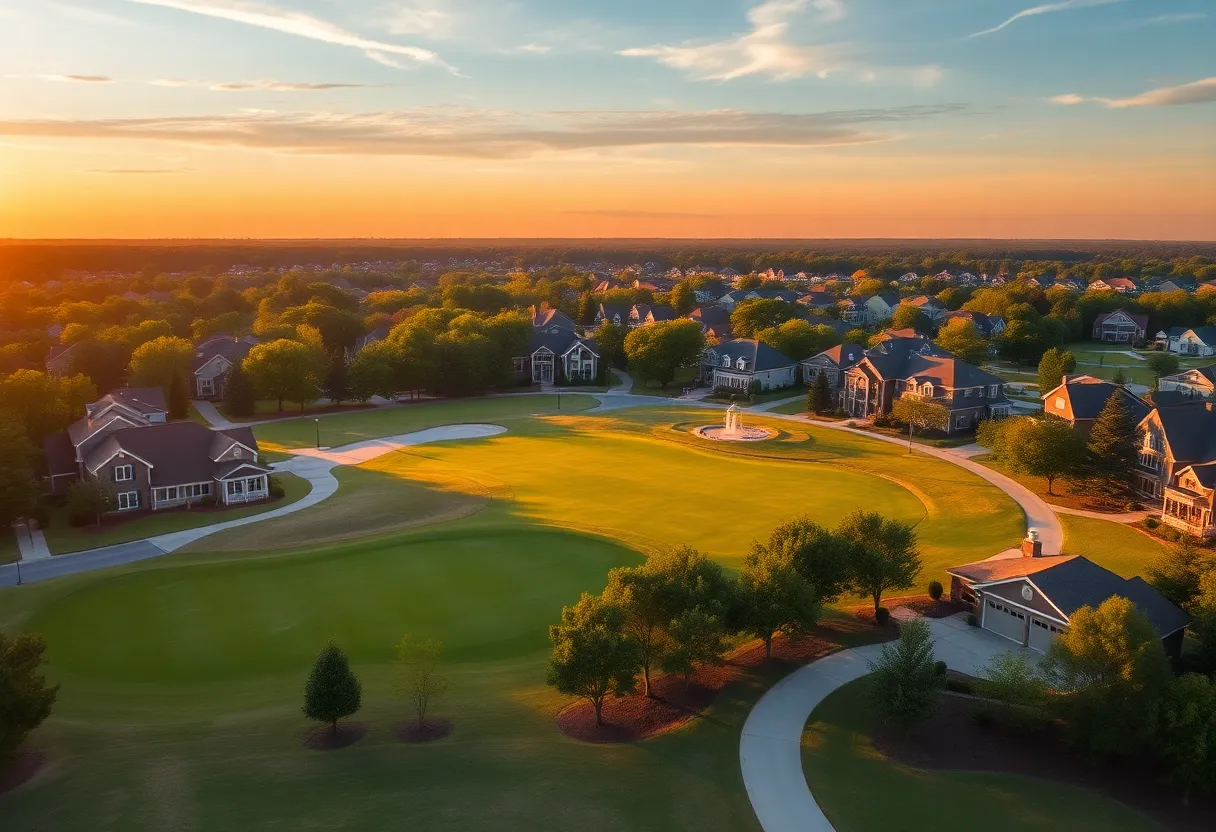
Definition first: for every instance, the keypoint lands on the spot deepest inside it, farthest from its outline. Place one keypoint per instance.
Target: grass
(344, 428)
(269, 409)
(1118, 547)
(790, 408)
(685, 376)
(845, 772)
(182, 677)
(62, 537)
(9, 553)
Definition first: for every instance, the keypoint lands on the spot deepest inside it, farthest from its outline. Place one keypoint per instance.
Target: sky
(1070, 119)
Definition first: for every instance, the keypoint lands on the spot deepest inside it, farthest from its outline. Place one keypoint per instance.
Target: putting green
(487, 595)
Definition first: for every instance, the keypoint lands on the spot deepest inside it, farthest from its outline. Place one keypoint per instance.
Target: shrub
(972, 620)
(935, 590)
(1151, 522)
(1134, 506)
(939, 667)
(959, 686)
(755, 389)
(839, 413)
(276, 488)
(982, 716)
(882, 615)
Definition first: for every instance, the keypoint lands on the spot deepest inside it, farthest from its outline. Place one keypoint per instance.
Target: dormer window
(928, 389)
(726, 361)
(741, 364)
(994, 390)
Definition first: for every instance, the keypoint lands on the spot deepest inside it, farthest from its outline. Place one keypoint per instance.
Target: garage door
(1005, 620)
(1042, 634)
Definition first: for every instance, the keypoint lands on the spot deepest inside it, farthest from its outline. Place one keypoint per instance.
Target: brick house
(1080, 398)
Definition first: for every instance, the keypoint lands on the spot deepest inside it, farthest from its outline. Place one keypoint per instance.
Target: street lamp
(318, 421)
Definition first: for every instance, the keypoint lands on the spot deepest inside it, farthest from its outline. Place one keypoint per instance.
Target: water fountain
(732, 429)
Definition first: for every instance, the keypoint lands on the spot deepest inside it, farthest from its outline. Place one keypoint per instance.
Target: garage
(1042, 633)
(1004, 620)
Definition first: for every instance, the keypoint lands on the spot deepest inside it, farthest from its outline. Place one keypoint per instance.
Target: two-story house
(614, 313)
(917, 368)
(987, 325)
(1195, 383)
(214, 358)
(1079, 400)
(124, 442)
(1121, 327)
(1200, 341)
(1173, 437)
(739, 362)
(932, 308)
(833, 363)
(644, 314)
(556, 353)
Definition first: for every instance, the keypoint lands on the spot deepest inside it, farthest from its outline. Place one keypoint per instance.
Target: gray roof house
(1197, 382)
(213, 358)
(833, 363)
(1200, 341)
(557, 354)
(739, 362)
(1079, 400)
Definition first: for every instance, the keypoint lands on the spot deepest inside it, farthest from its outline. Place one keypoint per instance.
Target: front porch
(1188, 512)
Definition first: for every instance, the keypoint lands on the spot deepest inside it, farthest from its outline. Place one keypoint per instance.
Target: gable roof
(180, 452)
(843, 356)
(710, 315)
(1139, 320)
(231, 350)
(1088, 395)
(1190, 431)
(546, 316)
(759, 355)
(1205, 334)
(142, 400)
(1208, 373)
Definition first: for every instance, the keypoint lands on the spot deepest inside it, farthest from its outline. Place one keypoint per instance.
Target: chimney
(1032, 547)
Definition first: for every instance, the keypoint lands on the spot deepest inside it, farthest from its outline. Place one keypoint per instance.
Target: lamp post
(318, 423)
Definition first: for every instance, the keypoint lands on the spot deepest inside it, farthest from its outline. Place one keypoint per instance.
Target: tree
(752, 316)
(683, 298)
(1178, 571)
(696, 636)
(798, 339)
(239, 394)
(820, 556)
(43, 404)
(179, 397)
(332, 691)
(1186, 732)
(819, 398)
(1162, 364)
(25, 698)
(1047, 448)
(1110, 461)
(421, 680)
(920, 414)
(907, 316)
(775, 598)
(1010, 677)
(89, 500)
(18, 488)
(155, 363)
(904, 686)
(1108, 668)
(656, 351)
(592, 655)
(961, 338)
(284, 369)
(884, 554)
(372, 373)
(610, 338)
(337, 378)
(1053, 366)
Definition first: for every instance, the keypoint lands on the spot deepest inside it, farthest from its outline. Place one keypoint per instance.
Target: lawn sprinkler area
(733, 430)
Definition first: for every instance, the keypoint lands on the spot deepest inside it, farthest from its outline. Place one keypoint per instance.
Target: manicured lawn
(342, 429)
(685, 376)
(62, 537)
(1119, 548)
(790, 409)
(859, 789)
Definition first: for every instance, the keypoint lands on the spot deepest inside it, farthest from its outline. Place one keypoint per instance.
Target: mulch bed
(21, 769)
(922, 604)
(326, 738)
(672, 705)
(952, 741)
(431, 730)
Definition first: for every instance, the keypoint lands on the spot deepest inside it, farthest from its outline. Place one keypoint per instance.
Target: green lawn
(1117, 547)
(860, 790)
(62, 537)
(790, 409)
(342, 429)
(182, 677)
(685, 376)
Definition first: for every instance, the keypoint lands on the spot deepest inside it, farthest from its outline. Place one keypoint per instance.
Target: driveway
(770, 750)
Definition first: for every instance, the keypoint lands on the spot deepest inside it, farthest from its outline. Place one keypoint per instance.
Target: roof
(1208, 372)
(1190, 431)
(1073, 582)
(1088, 395)
(924, 300)
(1140, 320)
(760, 356)
(843, 356)
(180, 452)
(232, 351)
(710, 315)
(144, 400)
(545, 315)
(1205, 473)
(663, 313)
(1206, 334)
(903, 357)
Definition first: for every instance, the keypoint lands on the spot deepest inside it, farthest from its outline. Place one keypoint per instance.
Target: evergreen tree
(905, 686)
(819, 397)
(18, 488)
(238, 391)
(1110, 462)
(179, 397)
(25, 698)
(332, 691)
(337, 379)
(586, 308)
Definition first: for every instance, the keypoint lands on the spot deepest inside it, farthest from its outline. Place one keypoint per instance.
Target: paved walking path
(766, 406)
(1125, 517)
(316, 466)
(624, 385)
(770, 750)
(31, 543)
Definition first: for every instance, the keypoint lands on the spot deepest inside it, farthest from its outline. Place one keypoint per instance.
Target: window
(994, 390)
(726, 361)
(253, 484)
(236, 487)
(128, 500)
(517, 364)
(967, 393)
(124, 473)
(205, 386)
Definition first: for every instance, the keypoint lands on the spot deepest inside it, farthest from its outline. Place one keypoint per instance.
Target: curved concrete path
(316, 466)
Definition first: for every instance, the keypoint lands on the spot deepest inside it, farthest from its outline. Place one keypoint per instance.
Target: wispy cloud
(262, 85)
(81, 14)
(487, 134)
(1166, 19)
(78, 79)
(1046, 8)
(768, 49)
(430, 18)
(299, 24)
(1198, 92)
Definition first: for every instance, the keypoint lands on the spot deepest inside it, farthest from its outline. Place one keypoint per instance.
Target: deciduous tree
(1162, 364)
(821, 557)
(775, 598)
(752, 316)
(332, 690)
(656, 351)
(1186, 732)
(961, 338)
(89, 500)
(421, 679)
(1053, 366)
(592, 654)
(284, 369)
(337, 378)
(1047, 448)
(884, 556)
(798, 339)
(920, 414)
(695, 637)
(155, 363)
(239, 394)
(18, 488)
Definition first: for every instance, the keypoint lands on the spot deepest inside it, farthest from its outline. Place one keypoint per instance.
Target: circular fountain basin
(719, 433)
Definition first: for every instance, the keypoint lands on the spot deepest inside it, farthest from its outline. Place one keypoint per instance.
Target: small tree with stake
(421, 680)
(917, 414)
(332, 691)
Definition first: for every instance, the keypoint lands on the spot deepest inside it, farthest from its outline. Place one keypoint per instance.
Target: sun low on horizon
(1073, 119)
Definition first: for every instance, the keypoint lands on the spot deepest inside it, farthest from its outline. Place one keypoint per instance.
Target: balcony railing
(923, 397)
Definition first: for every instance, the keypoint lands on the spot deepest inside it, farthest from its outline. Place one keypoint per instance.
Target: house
(1121, 327)
(608, 285)
(988, 325)
(714, 317)
(733, 298)
(819, 301)
(616, 313)
(124, 442)
(1196, 383)
(644, 314)
(1200, 341)
(1177, 284)
(1069, 283)
(833, 363)
(1167, 339)
(375, 336)
(1080, 398)
(1030, 599)
(545, 316)
(915, 367)
(739, 362)
(59, 360)
(1122, 285)
(852, 310)
(880, 307)
(557, 355)
(932, 308)
(213, 358)
(910, 277)
(1175, 440)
